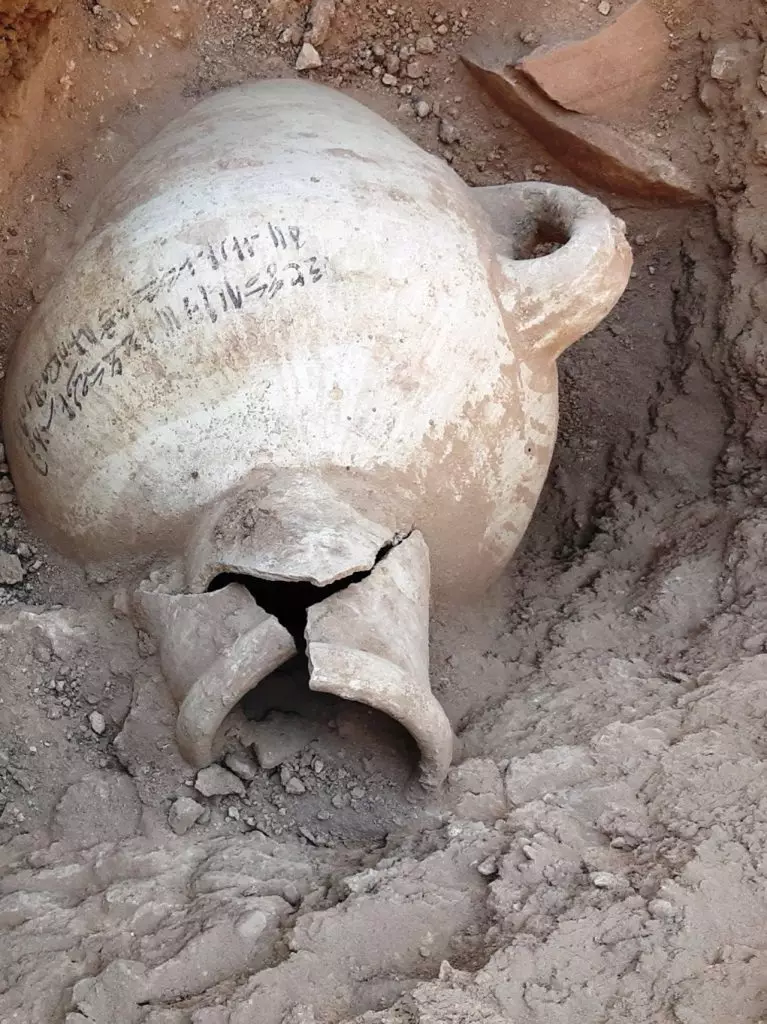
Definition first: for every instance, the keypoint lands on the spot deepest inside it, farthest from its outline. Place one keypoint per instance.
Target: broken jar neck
(288, 567)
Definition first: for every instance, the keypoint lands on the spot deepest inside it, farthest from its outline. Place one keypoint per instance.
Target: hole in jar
(365, 742)
(542, 238)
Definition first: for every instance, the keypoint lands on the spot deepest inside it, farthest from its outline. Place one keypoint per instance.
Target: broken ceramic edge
(619, 64)
(214, 648)
(368, 642)
(380, 684)
(589, 147)
(291, 527)
(215, 694)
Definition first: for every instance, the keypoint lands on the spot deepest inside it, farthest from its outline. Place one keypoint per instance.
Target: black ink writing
(80, 367)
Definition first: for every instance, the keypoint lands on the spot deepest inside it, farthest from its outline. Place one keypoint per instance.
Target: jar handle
(552, 300)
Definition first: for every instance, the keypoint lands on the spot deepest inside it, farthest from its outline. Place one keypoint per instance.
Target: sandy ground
(600, 850)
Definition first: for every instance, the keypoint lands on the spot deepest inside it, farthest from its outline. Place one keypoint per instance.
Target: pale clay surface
(292, 284)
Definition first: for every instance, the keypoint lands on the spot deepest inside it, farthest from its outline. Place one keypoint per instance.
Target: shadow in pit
(347, 732)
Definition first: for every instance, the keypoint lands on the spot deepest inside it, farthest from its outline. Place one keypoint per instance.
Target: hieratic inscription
(239, 273)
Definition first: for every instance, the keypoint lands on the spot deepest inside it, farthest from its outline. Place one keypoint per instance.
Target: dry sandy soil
(599, 853)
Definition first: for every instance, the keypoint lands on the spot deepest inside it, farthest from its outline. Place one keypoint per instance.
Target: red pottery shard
(608, 71)
(596, 152)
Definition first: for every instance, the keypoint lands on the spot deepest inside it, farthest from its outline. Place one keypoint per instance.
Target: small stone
(184, 813)
(97, 722)
(448, 133)
(442, 30)
(233, 813)
(379, 50)
(241, 765)
(308, 58)
(393, 64)
(605, 7)
(217, 781)
(388, 79)
(6, 485)
(286, 36)
(11, 571)
(605, 880)
(318, 766)
(415, 69)
(358, 792)
(622, 843)
(295, 786)
(337, 800)
(726, 62)
(422, 109)
(425, 44)
(488, 867)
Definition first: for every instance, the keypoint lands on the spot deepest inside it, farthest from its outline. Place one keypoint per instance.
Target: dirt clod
(448, 132)
(183, 814)
(11, 570)
(279, 737)
(242, 766)
(102, 807)
(319, 21)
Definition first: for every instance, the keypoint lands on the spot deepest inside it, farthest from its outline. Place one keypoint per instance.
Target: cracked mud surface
(599, 851)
